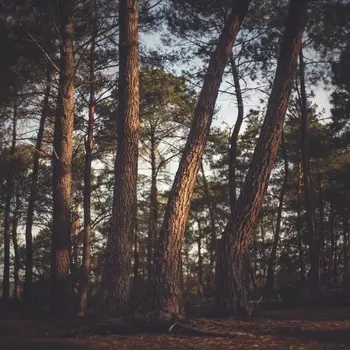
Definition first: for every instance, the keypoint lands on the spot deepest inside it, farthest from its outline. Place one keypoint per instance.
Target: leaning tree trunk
(232, 293)
(28, 281)
(9, 193)
(17, 289)
(88, 174)
(62, 160)
(313, 275)
(269, 285)
(345, 240)
(117, 268)
(167, 288)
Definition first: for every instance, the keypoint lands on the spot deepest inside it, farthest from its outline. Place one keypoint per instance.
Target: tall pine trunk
(212, 242)
(153, 211)
(232, 292)
(88, 174)
(269, 285)
(299, 222)
(62, 160)
(167, 288)
(117, 268)
(9, 194)
(28, 281)
(17, 288)
(313, 275)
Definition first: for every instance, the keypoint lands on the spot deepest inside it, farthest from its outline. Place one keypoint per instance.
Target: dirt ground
(286, 329)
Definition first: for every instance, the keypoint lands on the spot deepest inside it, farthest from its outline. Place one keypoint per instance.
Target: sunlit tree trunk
(62, 165)
(232, 292)
(115, 288)
(167, 288)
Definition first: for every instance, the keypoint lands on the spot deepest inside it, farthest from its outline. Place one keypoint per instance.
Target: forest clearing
(175, 174)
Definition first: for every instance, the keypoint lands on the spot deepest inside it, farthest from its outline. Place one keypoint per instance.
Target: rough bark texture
(269, 285)
(167, 289)
(34, 188)
(313, 275)
(17, 288)
(232, 293)
(7, 218)
(62, 159)
(117, 268)
(234, 137)
(87, 175)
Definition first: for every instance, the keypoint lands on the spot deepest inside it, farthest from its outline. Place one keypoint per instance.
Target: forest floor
(278, 329)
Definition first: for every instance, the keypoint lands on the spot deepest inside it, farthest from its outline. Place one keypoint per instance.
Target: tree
(231, 290)
(117, 267)
(62, 160)
(167, 288)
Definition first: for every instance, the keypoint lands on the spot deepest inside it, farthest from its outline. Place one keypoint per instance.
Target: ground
(282, 329)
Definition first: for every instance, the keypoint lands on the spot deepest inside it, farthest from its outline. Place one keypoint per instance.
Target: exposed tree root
(206, 332)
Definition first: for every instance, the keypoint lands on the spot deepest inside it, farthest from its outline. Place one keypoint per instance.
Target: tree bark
(153, 212)
(232, 293)
(200, 257)
(212, 247)
(88, 174)
(345, 240)
(117, 268)
(17, 289)
(7, 218)
(269, 285)
(28, 281)
(321, 235)
(234, 137)
(299, 223)
(167, 291)
(314, 272)
(62, 159)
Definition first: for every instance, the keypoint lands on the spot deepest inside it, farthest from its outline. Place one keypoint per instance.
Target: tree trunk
(84, 284)
(313, 275)
(117, 269)
(62, 159)
(234, 137)
(332, 263)
(200, 258)
(9, 193)
(153, 212)
(269, 285)
(299, 223)
(17, 289)
(321, 236)
(232, 293)
(34, 189)
(167, 291)
(136, 254)
(212, 244)
(345, 239)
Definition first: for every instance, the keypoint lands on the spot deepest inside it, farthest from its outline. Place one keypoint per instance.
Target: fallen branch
(206, 332)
